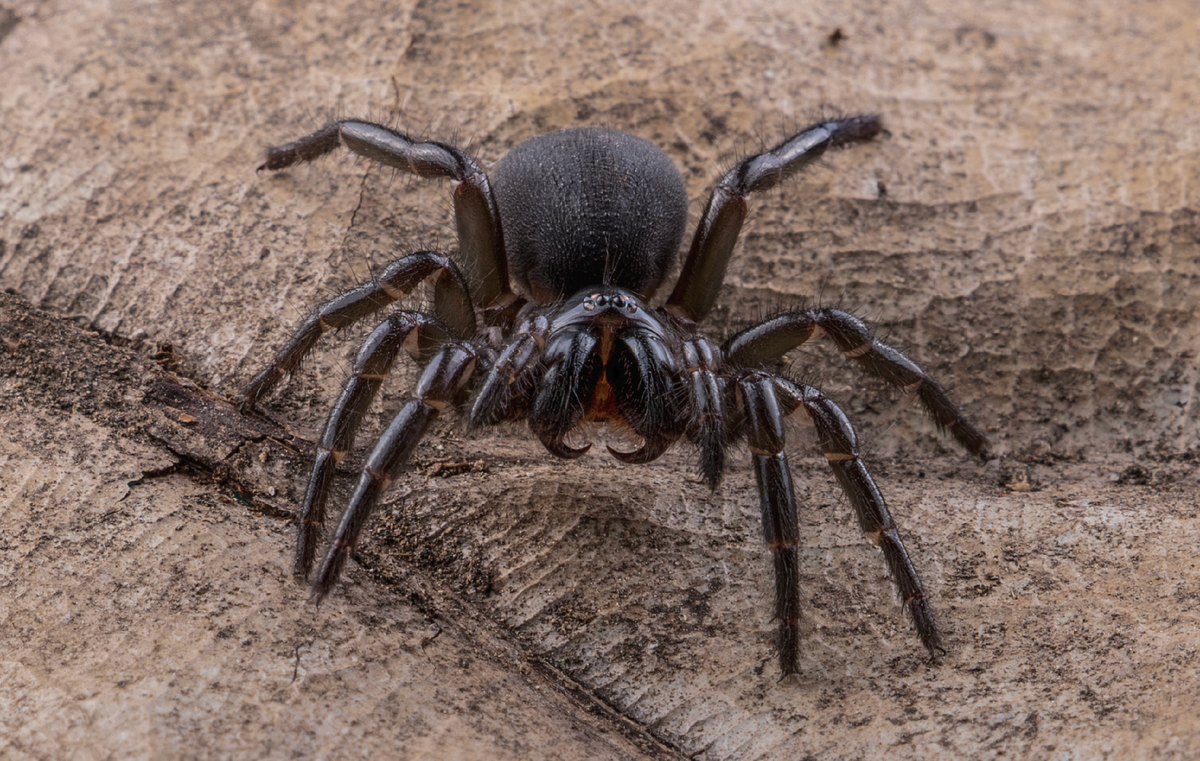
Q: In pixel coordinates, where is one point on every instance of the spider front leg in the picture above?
(480, 241)
(768, 401)
(765, 344)
(704, 270)
(503, 392)
(451, 302)
(450, 370)
(706, 410)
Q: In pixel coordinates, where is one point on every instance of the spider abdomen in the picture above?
(589, 206)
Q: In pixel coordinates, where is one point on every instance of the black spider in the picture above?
(590, 220)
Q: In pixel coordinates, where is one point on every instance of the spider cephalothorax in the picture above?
(566, 244)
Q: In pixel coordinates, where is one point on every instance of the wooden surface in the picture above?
(1027, 228)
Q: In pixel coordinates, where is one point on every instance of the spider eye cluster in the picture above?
(594, 301)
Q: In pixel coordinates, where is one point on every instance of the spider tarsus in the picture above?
(789, 649)
(304, 557)
(856, 129)
(327, 576)
(949, 419)
(970, 438)
(923, 622)
(247, 400)
(316, 595)
(260, 384)
(710, 440)
(710, 467)
(308, 148)
(711, 480)
(276, 159)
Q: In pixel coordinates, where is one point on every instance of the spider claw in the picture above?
(648, 452)
(560, 449)
(246, 402)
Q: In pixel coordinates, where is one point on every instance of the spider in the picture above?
(566, 244)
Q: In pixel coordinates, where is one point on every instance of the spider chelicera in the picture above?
(565, 245)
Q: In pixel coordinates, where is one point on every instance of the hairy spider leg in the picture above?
(502, 393)
(443, 379)
(769, 400)
(765, 344)
(839, 443)
(707, 425)
(411, 331)
(777, 500)
(451, 301)
(480, 240)
(712, 246)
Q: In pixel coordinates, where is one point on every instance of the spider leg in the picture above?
(443, 378)
(777, 500)
(479, 237)
(409, 331)
(452, 306)
(765, 344)
(706, 413)
(504, 384)
(840, 445)
(767, 401)
(712, 246)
